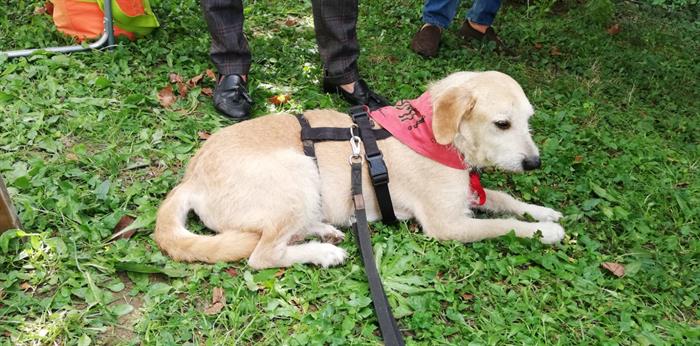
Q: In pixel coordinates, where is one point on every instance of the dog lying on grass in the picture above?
(252, 184)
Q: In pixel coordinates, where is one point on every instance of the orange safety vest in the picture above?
(83, 19)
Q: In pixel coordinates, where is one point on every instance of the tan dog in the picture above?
(252, 183)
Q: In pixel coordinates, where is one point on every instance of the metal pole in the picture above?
(106, 40)
(108, 30)
(8, 215)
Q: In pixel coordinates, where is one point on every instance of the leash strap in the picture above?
(387, 324)
(309, 135)
(375, 160)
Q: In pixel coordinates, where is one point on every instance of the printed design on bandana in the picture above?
(411, 122)
(408, 114)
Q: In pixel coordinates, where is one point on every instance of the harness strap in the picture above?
(307, 143)
(375, 160)
(323, 134)
(387, 324)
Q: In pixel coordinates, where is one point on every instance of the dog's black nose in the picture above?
(531, 163)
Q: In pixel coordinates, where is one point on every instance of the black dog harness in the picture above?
(377, 169)
(380, 180)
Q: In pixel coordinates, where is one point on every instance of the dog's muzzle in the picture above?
(530, 163)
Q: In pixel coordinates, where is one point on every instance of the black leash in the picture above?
(387, 324)
(380, 179)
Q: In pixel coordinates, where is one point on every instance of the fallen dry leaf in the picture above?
(217, 301)
(614, 29)
(538, 45)
(578, 158)
(554, 51)
(291, 22)
(126, 220)
(175, 78)
(71, 157)
(232, 271)
(467, 296)
(182, 89)
(25, 286)
(195, 80)
(279, 99)
(279, 273)
(207, 91)
(166, 98)
(210, 74)
(616, 269)
(203, 135)
(46, 9)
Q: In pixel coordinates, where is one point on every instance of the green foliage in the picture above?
(83, 142)
(676, 4)
(600, 11)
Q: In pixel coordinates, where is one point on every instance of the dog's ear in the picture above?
(449, 109)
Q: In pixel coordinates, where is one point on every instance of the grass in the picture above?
(84, 141)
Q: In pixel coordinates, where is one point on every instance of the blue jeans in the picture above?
(441, 12)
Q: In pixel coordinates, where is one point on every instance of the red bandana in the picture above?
(411, 122)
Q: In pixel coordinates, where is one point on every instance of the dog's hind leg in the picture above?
(502, 202)
(326, 232)
(275, 251)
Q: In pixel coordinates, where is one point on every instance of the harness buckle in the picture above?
(377, 169)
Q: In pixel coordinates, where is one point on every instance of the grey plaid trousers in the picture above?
(334, 22)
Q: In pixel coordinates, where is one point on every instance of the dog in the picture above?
(252, 184)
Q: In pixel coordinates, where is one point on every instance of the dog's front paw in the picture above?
(543, 213)
(551, 232)
(329, 255)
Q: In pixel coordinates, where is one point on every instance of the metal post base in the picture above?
(106, 40)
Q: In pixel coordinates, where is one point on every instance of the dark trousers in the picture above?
(334, 22)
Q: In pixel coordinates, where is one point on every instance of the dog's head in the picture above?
(485, 116)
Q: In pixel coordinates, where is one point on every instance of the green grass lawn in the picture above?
(84, 142)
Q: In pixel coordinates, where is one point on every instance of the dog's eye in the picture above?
(502, 124)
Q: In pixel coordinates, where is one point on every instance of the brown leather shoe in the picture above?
(467, 33)
(426, 41)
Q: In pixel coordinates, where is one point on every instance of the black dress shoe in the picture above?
(362, 95)
(231, 97)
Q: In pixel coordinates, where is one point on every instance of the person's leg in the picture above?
(439, 12)
(437, 16)
(229, 47)
(335, 23)
(483, 12)
(231, 55)
(477, 26)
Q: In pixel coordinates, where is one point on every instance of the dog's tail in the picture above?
(183, 245)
